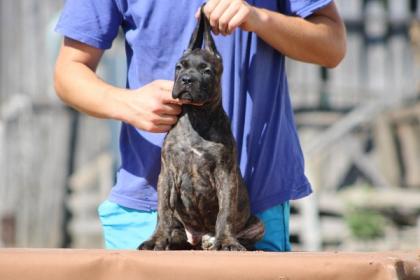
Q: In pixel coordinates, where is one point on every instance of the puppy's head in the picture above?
(197, 77)
(198, 72)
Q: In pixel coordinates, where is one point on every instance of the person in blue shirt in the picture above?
(253, 38)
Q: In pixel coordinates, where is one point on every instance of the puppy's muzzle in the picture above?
(184, 87)
(187, 80)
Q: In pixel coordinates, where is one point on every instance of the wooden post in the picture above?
(376, 62)
(346, 80)
(386, 155)
(409, 137)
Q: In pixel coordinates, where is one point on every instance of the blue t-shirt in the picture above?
(254, 87)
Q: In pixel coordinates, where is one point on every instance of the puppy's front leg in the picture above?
(227, 193)
(170, 233)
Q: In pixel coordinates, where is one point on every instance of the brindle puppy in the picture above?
(200, 188)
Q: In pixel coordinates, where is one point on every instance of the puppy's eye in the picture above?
(184, 63)
(178, 67)
(207, 71)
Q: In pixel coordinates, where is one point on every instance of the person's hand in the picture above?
(227, 15)
(152, 108)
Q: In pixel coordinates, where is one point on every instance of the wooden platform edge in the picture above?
(63, 264)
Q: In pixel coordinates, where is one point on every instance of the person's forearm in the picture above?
(150, 108)
(319, 40)
(78, 86)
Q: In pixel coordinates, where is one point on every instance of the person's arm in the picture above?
(149, 108)
(319, 38)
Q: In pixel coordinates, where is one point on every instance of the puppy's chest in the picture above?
(185, 148)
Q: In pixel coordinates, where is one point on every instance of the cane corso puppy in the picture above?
(200, 188)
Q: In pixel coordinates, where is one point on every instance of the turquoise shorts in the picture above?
(126, 228)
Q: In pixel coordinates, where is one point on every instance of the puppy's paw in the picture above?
(148, 245)
(153, 244)
(162, 243)
(207, 242)
(227, 244)
(232, 246)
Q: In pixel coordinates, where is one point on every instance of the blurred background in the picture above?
(359, 126)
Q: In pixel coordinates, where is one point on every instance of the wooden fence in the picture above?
(360, 126)
(379, 62)
(34, 129)
(42, 142)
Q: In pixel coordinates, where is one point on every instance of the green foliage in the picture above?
(365, 224)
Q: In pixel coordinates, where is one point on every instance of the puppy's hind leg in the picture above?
(179, 239)
(252, 233)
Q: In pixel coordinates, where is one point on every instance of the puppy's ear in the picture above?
(209, 44)
(202, 32)
(196, 39)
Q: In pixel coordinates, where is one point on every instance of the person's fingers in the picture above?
(165, 93)
(166, 120)
(238, 19)
(156, 124)
(210, 6)
(167, 99)
(165, 84)
(208, 9)
(171, 109)
(160, 128)
(197, 13)
(226, 17)
(216, 14)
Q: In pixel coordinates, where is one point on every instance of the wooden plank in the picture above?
(402, 200)
(55, 135)
(87, 227)
(399, 11)
(367, 166)
(332, 229)
(407, 113)
(309, 223)
(34, 175)
(386, 150)
(409, 137)
(90, 184)
(376, 62)
(317, 119)
(30, 50)
(338, 162)
(400, 70)
(39, 193)
(87, 175)
(38, 264)
(350, 10)
(361, 114)
(10, 59)
(346, 81)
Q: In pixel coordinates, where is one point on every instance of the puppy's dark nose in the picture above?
(186, 79)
